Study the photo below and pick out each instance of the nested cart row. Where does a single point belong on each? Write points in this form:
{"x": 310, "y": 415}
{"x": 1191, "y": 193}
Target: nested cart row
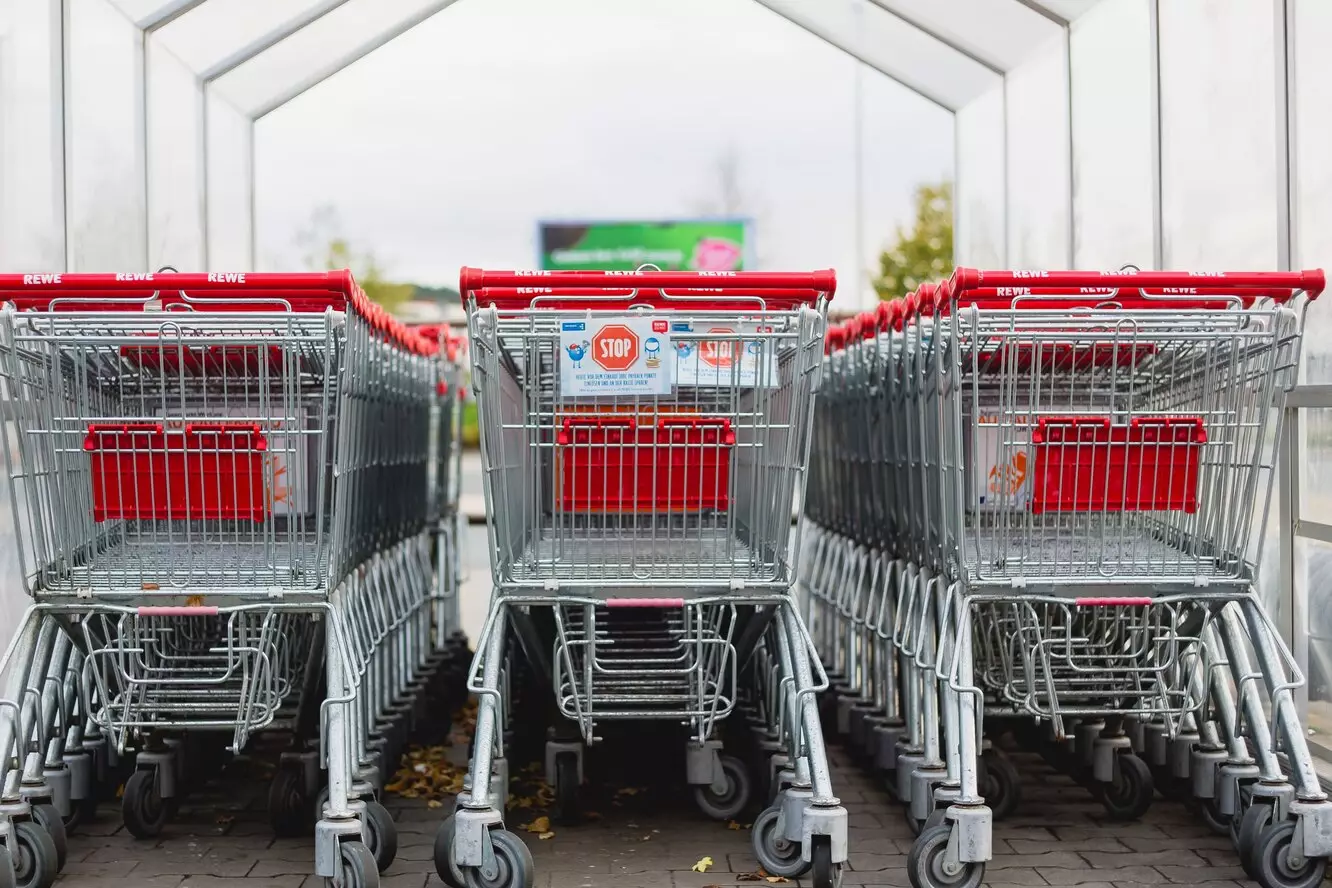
{"x": 1036, "y": 505}
{"x": 235, "y": 502}
{"x": 644, "y": 437}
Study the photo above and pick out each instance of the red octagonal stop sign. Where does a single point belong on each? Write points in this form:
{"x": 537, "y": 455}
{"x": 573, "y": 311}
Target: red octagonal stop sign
{"x": 615, "y": 347}
{"x": 718, "y": 352}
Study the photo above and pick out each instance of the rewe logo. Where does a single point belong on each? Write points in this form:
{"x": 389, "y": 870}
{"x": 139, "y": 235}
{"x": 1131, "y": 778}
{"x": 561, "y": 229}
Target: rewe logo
{"x": 135, "y": 276}
{"x": 226, "y": 277}
{"x": 1014, "y": 291}
{"x": 1031, "y": 274}
{"x": 29, "y": 279}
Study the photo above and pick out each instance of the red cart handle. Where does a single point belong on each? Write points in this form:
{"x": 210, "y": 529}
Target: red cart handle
{"x": 781, "y": 291}
{"x": 214, "y": 291}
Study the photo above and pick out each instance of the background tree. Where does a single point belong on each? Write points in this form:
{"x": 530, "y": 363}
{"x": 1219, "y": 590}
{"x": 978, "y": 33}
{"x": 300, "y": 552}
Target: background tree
{"x": 326, "y": 248}
{"x": 923, "y": 254}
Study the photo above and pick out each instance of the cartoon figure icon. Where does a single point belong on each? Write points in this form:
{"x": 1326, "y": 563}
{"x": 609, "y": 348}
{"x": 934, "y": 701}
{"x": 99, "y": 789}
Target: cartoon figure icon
{"x": 684, "y": 349}
{"x": 652, "y": 351}
{"x": 753, "y": 347}
{"x": 577, "y": 352}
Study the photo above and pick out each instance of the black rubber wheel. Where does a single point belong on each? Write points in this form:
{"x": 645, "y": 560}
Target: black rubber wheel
{"x": 381, "y": 834}
{"x": 1273, "y": 868}
{"x": 823, "y": 872}
{"x": 143, "y": 809}
{"x": 568, "y": 810}
{"x": 289, "y": 808}
{"x": 34, "y": 856}
{"x": 513, "y": 865}
{"x": 358, "y": 868}
{"x": 1206, "y": 811}
{"x": 443, "y": 855}
{"x": 81, "y": 811}
{"x": 49, "y": 819}
{"x": 728, "y": 804}
{"x": 913, "y": 824}
{"x": 778, "y": 856}
{"x": 1130, "y": 794}
{"x": 1255, "y": 820}
{"x": 1000, "y": 786}
{"x": 926, "y": 858}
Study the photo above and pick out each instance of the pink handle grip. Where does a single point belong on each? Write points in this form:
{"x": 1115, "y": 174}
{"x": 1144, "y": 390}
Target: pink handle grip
{"x": 644, "y": 602}
{"x": 1112, "y": 602}
{"x": 166, "y": 611}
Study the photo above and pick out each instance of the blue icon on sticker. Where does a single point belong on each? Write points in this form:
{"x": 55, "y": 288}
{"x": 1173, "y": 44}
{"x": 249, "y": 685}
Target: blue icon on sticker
{"x": 574, "y": 325}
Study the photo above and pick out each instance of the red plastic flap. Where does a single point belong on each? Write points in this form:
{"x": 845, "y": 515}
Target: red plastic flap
{"x": 1090, "y": 464}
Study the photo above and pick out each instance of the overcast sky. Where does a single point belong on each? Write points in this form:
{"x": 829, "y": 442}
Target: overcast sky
{"x": 446, "y": 146}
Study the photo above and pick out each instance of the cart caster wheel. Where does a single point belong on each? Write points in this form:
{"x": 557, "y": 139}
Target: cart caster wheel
{"x": 49, "y": 819}
{"x": 1001, "y": 785}
{"x": 358, "y": 868}
{"x": 913, "y": 823}
{"x": 34, "y": 857}
{"x": 381, "y": 834}
{"x": 1255, "y": 820}
{"x": 1129, "y": 795}
{"x": 823, "y": 872}
{"x": 513, "y": 866}
{"x": 728, "y": 804}
{"x": 567, "y": 809}
{"x": 81, "y": 811}
{"x": 7, "y": 877}
{"x": 144, "y": 810}
{"x": 778, "y": 856}
{"x": 448, "y": 873}
{"x": 1273, "y": 866}
{"x": 289, "y": 807}
{"x": 1206, "y": 811}
{"x": 925, "y": 862}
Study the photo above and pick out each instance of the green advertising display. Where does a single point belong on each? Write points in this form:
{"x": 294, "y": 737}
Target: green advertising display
{"x": 711, "y": 245}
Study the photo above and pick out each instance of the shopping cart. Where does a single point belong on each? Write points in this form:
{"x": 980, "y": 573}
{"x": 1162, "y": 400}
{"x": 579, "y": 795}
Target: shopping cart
{"x": 220, "y": 499}
{"x": 1082, "y": 466}
{"x": 644, "y": 437}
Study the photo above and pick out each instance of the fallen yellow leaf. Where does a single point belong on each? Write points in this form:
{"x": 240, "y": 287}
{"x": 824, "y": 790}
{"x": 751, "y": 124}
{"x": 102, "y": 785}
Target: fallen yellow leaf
{"x": 540, "y": 825}
{"x": 546, "y": 835}
{"x": 733, "y": 825}
{"x": 434, "y": 803}
{"x": 703, "y": 865}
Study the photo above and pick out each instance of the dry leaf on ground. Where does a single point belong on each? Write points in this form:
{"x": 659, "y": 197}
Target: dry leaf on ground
{"x": 703, "y": 865}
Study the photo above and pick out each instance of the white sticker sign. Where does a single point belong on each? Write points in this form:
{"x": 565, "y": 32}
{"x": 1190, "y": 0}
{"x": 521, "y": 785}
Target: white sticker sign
{"x": 616, "y": 356}
{"x": 704, "y": 360}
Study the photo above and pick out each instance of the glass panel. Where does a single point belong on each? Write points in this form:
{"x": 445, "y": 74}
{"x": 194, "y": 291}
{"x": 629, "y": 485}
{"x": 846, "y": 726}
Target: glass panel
{"x": 175, "y": 172}
{"x": 31, "y": 212}
{"x": 1003, "y": 34}
{"x": 1313, "y": 568}
{"x": 1311, "y": 97}
{"x": 1219, "y": 179}
{"x": 1112, "y": 131}
{"x": 979, "y": 195}
{"x": 213, "y": 31}
{"x": 104, "y": 98}
{"x": 1038, "y": 161}
{"x": 230, "y": 192}
{"x": 1316, "y": 465}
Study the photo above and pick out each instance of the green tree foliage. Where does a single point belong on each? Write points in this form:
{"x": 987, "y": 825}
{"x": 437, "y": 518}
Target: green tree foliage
{"x": 326, "y": 248}
{"x": 923, "y": 254}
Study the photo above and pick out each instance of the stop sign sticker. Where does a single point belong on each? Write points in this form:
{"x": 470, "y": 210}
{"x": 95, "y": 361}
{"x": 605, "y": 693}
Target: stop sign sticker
{"x": 615, "y": 347}
{"x": 616, "y": 356}
{"x": 719, "y": 353}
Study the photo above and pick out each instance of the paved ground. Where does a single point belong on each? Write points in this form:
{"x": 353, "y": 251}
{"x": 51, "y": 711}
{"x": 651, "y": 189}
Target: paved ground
{"x": 1058, "y": 838}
